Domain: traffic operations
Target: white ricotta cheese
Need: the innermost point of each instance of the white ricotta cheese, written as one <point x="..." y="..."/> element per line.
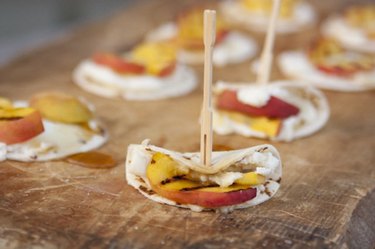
<point x="225" y="179"/>
<point x="254" y="96"/>
<point x="163" y="32"/>
<point x="263" y="171"/>
<point x="266" y="159"/>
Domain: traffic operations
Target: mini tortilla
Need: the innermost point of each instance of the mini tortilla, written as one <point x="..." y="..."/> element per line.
<point x="139" y="157"/>
<point x="350" y="37"/>
<point x="313" y="115"/>
<point x="105" y="82"/>
<point x="296" y="65"/>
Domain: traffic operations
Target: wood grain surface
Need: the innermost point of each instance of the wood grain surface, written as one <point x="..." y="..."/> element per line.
<point x="327" y="195"/>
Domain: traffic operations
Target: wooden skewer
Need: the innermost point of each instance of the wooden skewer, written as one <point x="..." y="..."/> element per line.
<point x="267" y="56"/>
<point x="206" y="114"/>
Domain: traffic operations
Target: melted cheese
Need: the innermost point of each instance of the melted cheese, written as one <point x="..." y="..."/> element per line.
<point x="254" y="96"/>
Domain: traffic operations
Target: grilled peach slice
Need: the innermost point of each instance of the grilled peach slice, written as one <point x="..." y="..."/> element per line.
<point x="251" y="178"/>
<point x="275" y="108"/>
<point x="19" y="124"/>
<point x="61" y="107"/>
<point x="269" y="126"/>
<point x="159" y="58"/>
<point x="167" y="179"/>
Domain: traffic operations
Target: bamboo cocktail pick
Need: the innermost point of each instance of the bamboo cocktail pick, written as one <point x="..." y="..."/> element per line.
<point x="206" y="114"/>
<point x="267" y="56"/>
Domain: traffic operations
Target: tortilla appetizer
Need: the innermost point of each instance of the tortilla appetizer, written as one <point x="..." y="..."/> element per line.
<point x="187" y="33"/>
<point x="237" y="179"/>
<point x="52" y="125"/>
<point x="354" y="28"/>
<point x="280" y="111"/>
<point x="328" y="65"/>
<point x="294" y="15"/>
<point x="148" y="72"/>
<point x="207" y="180"/>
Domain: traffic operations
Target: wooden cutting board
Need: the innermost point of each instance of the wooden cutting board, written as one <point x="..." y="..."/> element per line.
<point x="327" y="196"/>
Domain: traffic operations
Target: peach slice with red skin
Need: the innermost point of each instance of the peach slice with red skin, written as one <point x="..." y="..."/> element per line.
<point x="19" y="125"/>
<point x="275" y="108"/>
<point x="336" y="70"/>
<point x="167" y="179"/>
<point x="208" y="197"/>
<point x="168" y="70"/>
<point x="118" y="64"/>
<point x="61" y="107"/>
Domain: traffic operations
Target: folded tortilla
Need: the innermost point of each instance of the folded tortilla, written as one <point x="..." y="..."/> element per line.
<point x="263" y="158"/>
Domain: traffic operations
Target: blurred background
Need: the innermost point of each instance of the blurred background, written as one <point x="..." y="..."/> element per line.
<point x="31" y="23"/>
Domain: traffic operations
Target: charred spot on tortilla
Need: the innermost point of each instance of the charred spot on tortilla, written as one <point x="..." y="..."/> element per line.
<point x="140" y="179"/>
<point x="146" y="190"/>
<point x="262" y="149"/>
<point x="267" y="192"/>
<point x="82" y="141"/>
